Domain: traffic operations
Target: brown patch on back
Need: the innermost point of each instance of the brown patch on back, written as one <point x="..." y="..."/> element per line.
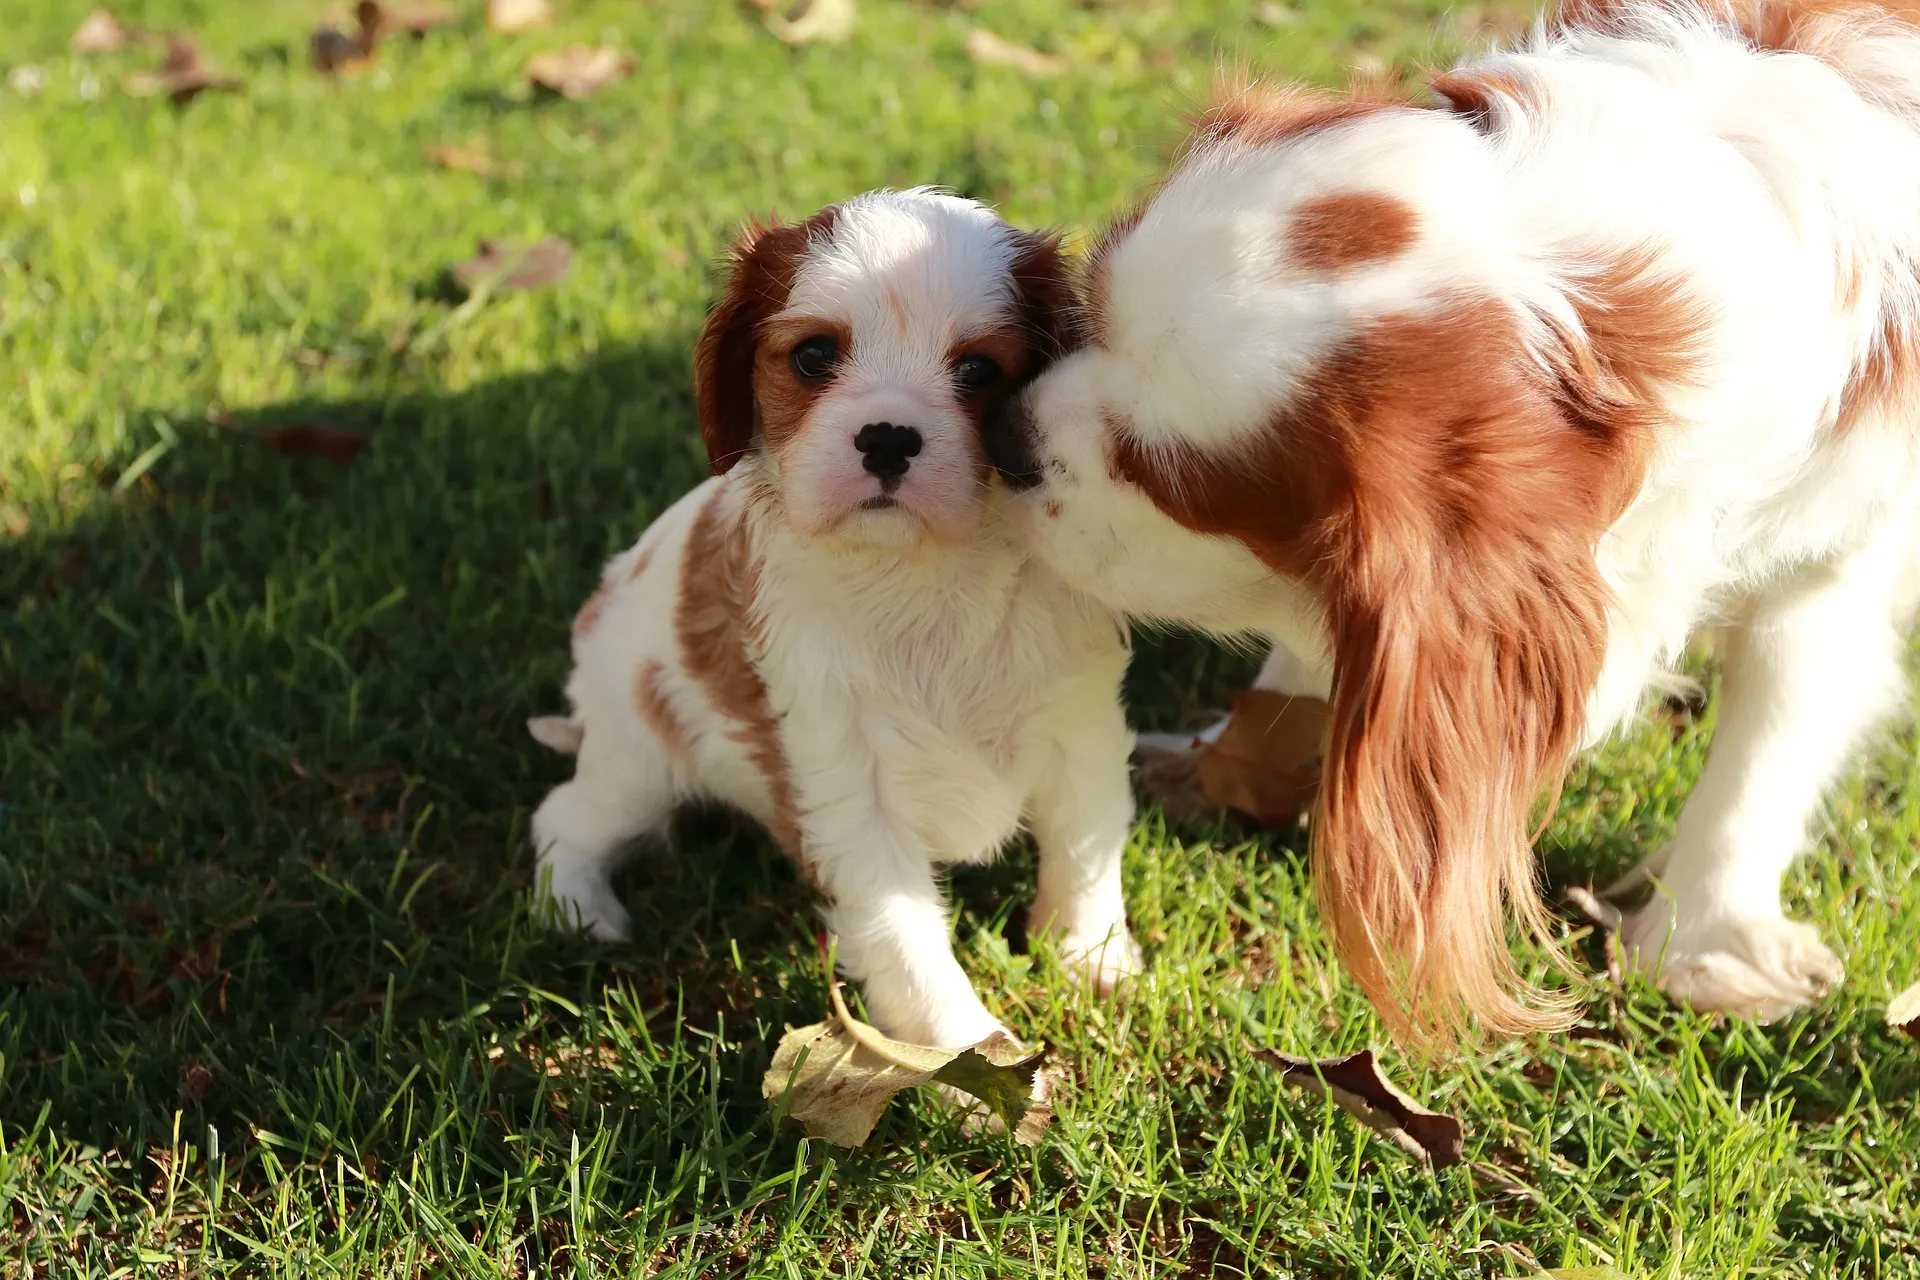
<point x="1257" y="115"/>
<point x="650" y="700"/>
<point x="1349" y="229"/>
<point x="714" y="623"/>
<point x="1886" y="381"/>
<point x="1444" y="495"/>
<point x="764" y="261"/>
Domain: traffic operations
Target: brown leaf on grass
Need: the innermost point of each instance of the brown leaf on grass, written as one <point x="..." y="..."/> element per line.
<point x="420" y="17"/>
<point x="315" y="440"/>
<point x="510" y="17"/>
<point x="502" y="266"/>
<point x="183" y="75"/>
<point x="101" y="32"/>
<point x="1264" y="764"/>
<point x="336" y="52"/>
<point x="1903" y="1013"/>
<point x="467" y="159"/>
<point x="991" y="50"/>
<point x="578" y="71"/>
<point x="26" y="79"/>
<point x="809" y="21"/>
<point x="836" y="1077"/>
<point x="1357" y="1086"/>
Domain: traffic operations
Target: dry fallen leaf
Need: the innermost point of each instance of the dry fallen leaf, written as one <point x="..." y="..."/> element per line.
<point x="466" y="159"/>
<point x="335" y="52"/>
<point x="510" y="17"/>
<point x="578" y="71"/>
<point x="503" y="266"/>
<point x="26" y="80"/>
<point x="810" y="21"/>
<point x="1903" y="1013"/>
<point x="1263" y="764"/>
<point x="100" y="32"/>
<point x="183" y="76"/>
<point x="850" y="1072"/>
<point x="316" y="440"/>
<point x="420" y="17"/>
<point x="1357" y="1086"/>
<point x="990" y="50"/>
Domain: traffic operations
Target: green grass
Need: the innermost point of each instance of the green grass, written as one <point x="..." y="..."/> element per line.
<point x="270" y="1001"/>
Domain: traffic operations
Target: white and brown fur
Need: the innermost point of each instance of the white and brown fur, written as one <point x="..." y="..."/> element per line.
<point x="871" y="666"/>
<point x="1480" y="405"/>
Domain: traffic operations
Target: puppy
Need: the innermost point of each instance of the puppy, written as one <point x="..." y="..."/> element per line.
<point x="1481" y="406"/>
<point x="839" y="635"/>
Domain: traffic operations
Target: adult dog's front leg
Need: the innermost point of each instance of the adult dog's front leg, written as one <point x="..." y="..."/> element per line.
<point x="1813" y="668"/>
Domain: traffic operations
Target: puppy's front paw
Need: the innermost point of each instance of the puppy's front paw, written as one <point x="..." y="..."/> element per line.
<point x="1752" y="966"/>
<point x="579" y="895"/>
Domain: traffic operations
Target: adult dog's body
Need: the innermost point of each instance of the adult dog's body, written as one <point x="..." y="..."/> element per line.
<point x="1481" y="408"/>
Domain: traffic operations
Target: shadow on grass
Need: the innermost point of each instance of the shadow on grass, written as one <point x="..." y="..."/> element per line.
<point x="266" y="782"/>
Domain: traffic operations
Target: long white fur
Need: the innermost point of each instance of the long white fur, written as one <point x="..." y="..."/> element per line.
<point x="930" y="698"/>
<point x="1761" y="178"/>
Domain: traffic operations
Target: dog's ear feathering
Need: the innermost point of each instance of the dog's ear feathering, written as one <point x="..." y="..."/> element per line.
<point x="1049" y="304"/>
<point x="761" y="268"/>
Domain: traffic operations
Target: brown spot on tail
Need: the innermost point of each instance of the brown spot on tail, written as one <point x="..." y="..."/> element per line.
<point x="1348" y="229"/>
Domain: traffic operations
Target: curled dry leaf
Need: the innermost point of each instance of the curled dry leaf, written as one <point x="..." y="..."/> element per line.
<point x="183" y="75"/>
<point x="510" y="17"/>
<point x="1263" y="763"/>
<point x="472" y="159"/>
<point x="991" y="50"/>
<point x="810" y="21"/>
<point x="1357" y="1086"/>
<point x="100" y="32"/>
<point x="578" y="71"/>
<point x="315" y="440"/>
<point x="502" y="266"/>
<point x="1903" y="1014"/>
<point x="838" y="1076"/>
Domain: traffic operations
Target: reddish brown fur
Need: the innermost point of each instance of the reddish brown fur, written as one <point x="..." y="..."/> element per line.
<point x="763" y="265"/>
<point x="1484" y="98"/>
<point x="1887" y="380"/>
<point x="650" y="700"/>
<point x="714" y="623"/>
<point x="1347" y="229"/>
<point x="1444" y="496"/>
<point x="1257" y="115"/>
<point x="783" y="399"/>
<point x="1100" y="274"/>
<point x="589" y="615"/>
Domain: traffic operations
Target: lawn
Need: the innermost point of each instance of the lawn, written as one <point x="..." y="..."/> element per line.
<point x="271" y="1001"/>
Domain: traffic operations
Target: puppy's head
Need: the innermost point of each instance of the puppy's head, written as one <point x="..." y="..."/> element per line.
<point x="852" y="358"/>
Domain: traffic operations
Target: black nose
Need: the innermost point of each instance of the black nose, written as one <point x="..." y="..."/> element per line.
<point x="887" y="446"/>
<point x="1006" y="430"/>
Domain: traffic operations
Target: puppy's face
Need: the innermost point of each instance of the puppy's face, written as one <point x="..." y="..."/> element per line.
<point x="853" y="356"/>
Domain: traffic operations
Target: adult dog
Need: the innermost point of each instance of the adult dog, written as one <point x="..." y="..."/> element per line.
<point x="1481" y="407"/>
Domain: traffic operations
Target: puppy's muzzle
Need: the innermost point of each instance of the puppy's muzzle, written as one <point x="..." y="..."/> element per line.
<point x="1007" y="434"/>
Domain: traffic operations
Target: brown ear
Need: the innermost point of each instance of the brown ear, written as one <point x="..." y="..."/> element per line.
<point x="761" y="270"/>
<point x="1459" y="696"/>
<point x="1050" y="310"/>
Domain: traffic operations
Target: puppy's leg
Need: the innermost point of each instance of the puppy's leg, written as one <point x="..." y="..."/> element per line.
<point x="1815" y="665"/>
<point x="584" y="829"/>
<point x="1081" y="813"/>
<point x="890" y="924"/>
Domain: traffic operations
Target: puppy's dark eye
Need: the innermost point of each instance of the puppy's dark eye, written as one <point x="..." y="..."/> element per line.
<point x="976" y="373"/>
<point x="815" y="357"/>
